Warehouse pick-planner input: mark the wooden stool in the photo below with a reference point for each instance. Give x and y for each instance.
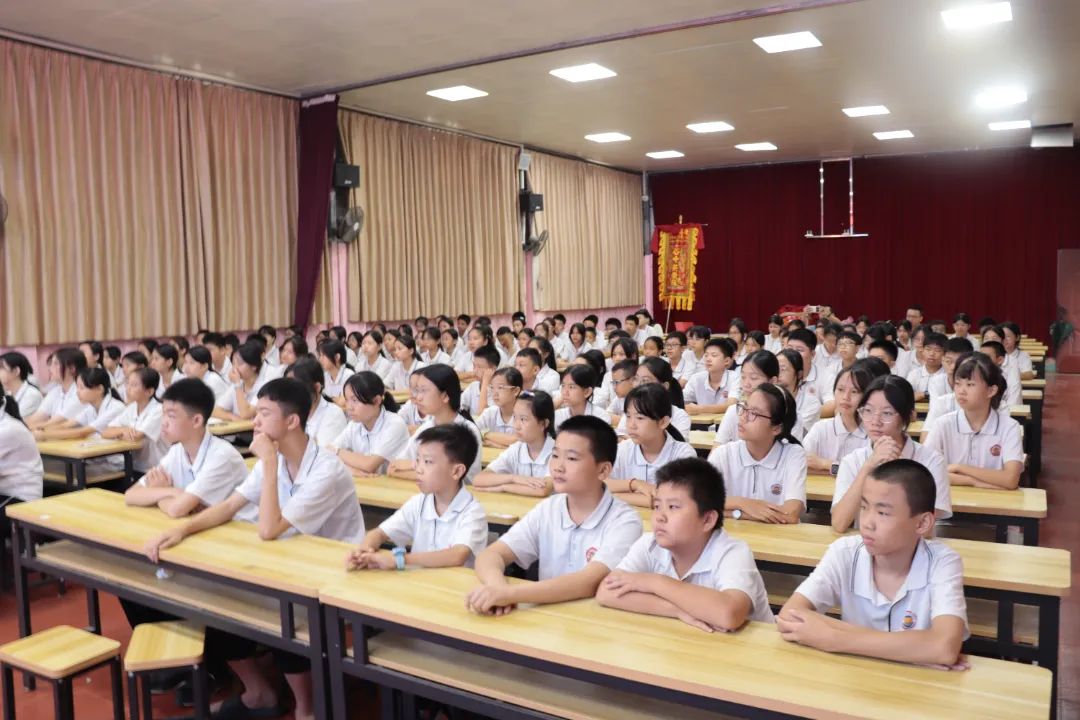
(58, 655)
(165, 646)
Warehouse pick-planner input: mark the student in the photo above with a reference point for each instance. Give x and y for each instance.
(15, 372)
(247, 378)
(1014, 393)
(938, 326)
(901, 597)
(406, 362)
(980, 446)
(409, 411)
(375, 434)
(886, 408)
(62, 402)
(622, 383)
(715, 389)
(333, 359)
(887, 352)
(611, 325)
(129, 363)
(1010, 338)
(918, 340)
(758, 368)
(496, 421)
(575, 343)
(696, 338)
(437, 393)
(219, 351)
(765, 469)
(140, 421)
(100, 405)
(462, 324)
(93, 351)
(682, 362)
(773, 342)
(111, 362)
(921, 378)
(443, 525)
(654, 442)
(199, 364)
(652, 347)
(848, 344)
(814, 383)
(578, 388)
(326, 421)
(792, 378)
(352, 345)
(903, 341)
(914, 315)
(477, 337)
(737, 334)
(829, 442)
(621, 349)
(390, 338)
(577, 535)
(826, 357)
(339, 334)
(657, 371)
(548, 376)
(21, 470)
(962, 329)
(369, 358)
(294, 488)
(755, 340)
(689, 568)
(528, 362)
(517, 322)
(522, 468)
(637, 334)
(294, 348)
(451, 346)
(941, 384)
(430, 352)
(593, 339)
(476, 398)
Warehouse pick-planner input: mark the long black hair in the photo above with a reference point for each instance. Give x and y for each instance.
(782, 410)
(445, 380)
(367, 386)
(661, 370)
(653, 402)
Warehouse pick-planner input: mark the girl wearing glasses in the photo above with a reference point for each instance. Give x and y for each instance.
(886, 408)
(765, 469)
(829, 441)
(760, 367)
(496, 422)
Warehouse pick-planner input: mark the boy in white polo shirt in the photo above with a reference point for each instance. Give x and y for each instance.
(923, 376)
(444, 526)
(688, 567)
(901, 597)
(578, 535)
(296, 487)
(716, 388)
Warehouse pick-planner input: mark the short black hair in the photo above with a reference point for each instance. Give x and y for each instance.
(937, 339)
(489, 354)
(998, 348)
(919, 486)
(135, 358)
(898, 393)
(291, 395)
(701, 479)
(213, 338)
(958, 345)
(193, 395)
(532, 354)
(889, 347)
(603, 442)
(457, 442)
(701, 332)
(804, 336)
(464, 317)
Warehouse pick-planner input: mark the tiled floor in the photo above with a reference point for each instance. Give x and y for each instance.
(1061, 478)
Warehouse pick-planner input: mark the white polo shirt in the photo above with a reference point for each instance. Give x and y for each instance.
(217, 470)
(700, 391)
(728, 431)
(825, 360)
(808, 405)
(163, 386)
(725, 564)
(516, 460)
(602, 395)
(334, 385)
(398, 379)
(920, 378)
(491, 420)
(830, 440)
(996, 443)
(680, 420)
(548, 534)
(563, 414)
(66, 404)
(905, 362)
(1020, 360)
(218, 385)
(387, 437)
(463, 362)
(439, 357)
(778, 477)
(28, 398)
(845, 578)
(549, 381)
(320, 500)
(411, 447)
(380, 367)
(630, 462)
(21, 470)
(99, 418)
(774, 344)
(1013, 387)
(410, 414)
(930, 459)
(416, 524)
(326, 422)
(228, 402)
(686, 367)
(148, 422)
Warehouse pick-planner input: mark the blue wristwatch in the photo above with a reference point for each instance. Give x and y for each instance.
(399, 557)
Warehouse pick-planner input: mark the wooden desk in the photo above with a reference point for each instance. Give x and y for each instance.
(1022, 508)
(221, 428)
(1034, 384)
(659, 658)
(704, 420)
(503, 509)
(401, 396)
(488, 455)
(75, 453)
(1017, 412)
(288, 572)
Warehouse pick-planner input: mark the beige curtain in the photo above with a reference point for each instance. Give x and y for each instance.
(441, 222)
(593, 257)
(95, 237)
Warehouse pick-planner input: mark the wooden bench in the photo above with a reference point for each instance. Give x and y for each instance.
(171, 645)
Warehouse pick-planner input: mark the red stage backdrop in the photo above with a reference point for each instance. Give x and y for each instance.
(974, 231)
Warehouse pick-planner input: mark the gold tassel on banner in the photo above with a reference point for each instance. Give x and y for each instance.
(676, 249)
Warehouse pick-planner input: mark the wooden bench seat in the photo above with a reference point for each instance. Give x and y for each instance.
(91, 478)
(164, 645)
(58, 652)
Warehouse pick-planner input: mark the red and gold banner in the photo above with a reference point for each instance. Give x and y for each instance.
(676, 248)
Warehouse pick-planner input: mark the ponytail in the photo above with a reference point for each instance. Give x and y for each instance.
(99, 377)
(782, 410)
(8, 405)
(366, 386)
(654, 402)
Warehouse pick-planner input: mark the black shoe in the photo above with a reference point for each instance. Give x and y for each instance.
(185, 693)
(162, 681)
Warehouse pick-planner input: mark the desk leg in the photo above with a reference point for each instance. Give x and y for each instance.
(69, 475)
(80, 474)
(335, 652)
(319, 674)
(387, 703)
(1030, 528)
(93, 611)
(129, 469)
(20, 540)
(1049, 629)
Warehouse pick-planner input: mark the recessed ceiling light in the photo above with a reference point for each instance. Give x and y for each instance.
(865, 110)
(456, 93)
(711, 127)
(756, 147)
(665, 154)
(607, 137)
(971, 16)
(894, 135)
(583, 73)
(790, 41)
(1011, 125)
(1003, 96)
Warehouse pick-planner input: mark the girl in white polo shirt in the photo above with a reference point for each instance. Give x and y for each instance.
(792, 377)
(376, 434)
(829, 441)
(140, 422)
(522, 468)
(765, 469)
(15, 372)
(406, 362)
(981, 446)
(886, 408)
(496, 422)
(247, 376)
(334, 359)
(578, 387)
(370, 356)
(21, 471)
(759, 367)
(199, 364)
(101, 404)
(62, 402)
(166, 360)
(326, 420)
(658, 371)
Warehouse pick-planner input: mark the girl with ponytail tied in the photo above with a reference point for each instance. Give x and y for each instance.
(21, 470)
(101, 405)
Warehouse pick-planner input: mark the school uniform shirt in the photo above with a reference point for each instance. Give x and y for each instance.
(162, 387)
(699, 389)
(807, 407)
(117, 377)
(225, 369)
(976, 343)
(148, 422)
(685, 368)
(456, 352)
(491, 420)
(728, 430)
(1014, 391)
(825, 360)
(351, 356)
(463, 362)
(410, 414)
(930, 459)
(997, 442)
(778, 477)
(655, 330)
(699, 363)
(548, 534)
(417, 525)
(680, 420)
(630, 462)
(439, 357)
(398, 379)
(387, 437)
(1020, 360)
(516, 460)
(559, 343)
(228, 402)
(320, 500)
(21, 469)
(774, 344)
(569, 352)
(640, 335)
(217, 470)
(334, 385)
(725, 564)
(470, 398)
(218, 385)
(411, 447)
(830, 440)
(273, 355)
(602, 395)
(28, 398)
(99, 418)
(563, 414)
(920, 378)
(845, 578)
(618, 406)
(64, 403)
(905, 362)
(380, 367)
(548, 380)
(326, 422)
(939, 385)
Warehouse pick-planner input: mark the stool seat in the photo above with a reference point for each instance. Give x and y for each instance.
(164, 645)
(58, 652)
